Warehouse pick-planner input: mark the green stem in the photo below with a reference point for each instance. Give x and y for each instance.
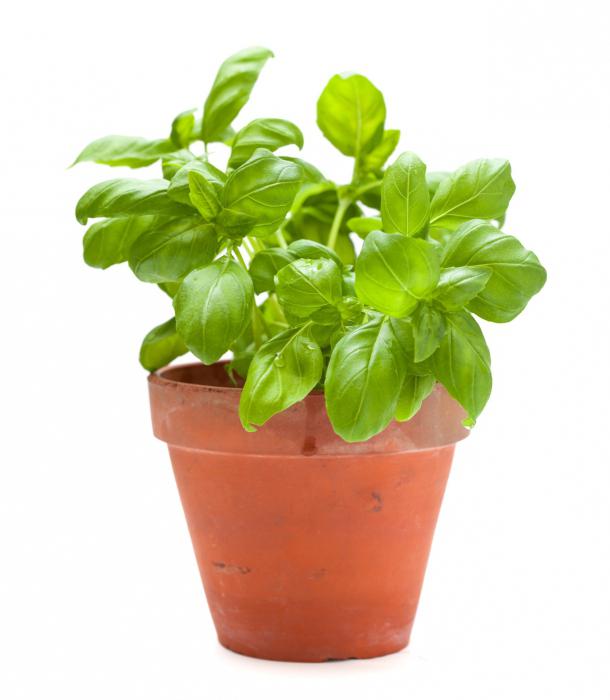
(239, 257)
(280, 238)
(343, 206)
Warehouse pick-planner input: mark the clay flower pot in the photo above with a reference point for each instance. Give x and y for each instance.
(309, 548)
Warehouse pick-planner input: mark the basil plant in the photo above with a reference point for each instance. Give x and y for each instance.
(259, 258)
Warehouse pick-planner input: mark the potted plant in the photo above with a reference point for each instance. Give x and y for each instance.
(312, 464)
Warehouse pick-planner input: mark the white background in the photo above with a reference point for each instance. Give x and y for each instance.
(99, 593)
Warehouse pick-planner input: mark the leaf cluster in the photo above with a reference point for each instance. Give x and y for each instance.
(259, 259)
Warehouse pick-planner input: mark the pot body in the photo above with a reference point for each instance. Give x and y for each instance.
(309, 548)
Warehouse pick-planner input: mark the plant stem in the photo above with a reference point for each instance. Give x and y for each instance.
(342, 207)
(239, 257)
(280, 238)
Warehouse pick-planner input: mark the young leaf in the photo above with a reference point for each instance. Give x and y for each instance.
(132, 151)
(393, 272)
(263, 189)
(127, 197)
(169, 252)
(376, 158)
(458, 285)
(231, 89)
(179, 187)
(434, 179)
(283, 371)
(363, 381)
(428, 331)
(414, 390)
(405, 202)
(204, 195)
(480, 189)
(161, 345)
(363, 225)
(108, 242)
(516, 273)
(182, 129)
(351, 114)
(264, 266)
(310, 173)
(306, 285)
(263, 133)
(171, 164)
(462, 363)
(213, 307)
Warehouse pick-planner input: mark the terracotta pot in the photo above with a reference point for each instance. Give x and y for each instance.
(309, 548)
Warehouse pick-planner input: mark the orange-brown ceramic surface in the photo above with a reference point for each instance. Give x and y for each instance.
(309, 548)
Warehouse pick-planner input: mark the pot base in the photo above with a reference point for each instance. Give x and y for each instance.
(314, 657)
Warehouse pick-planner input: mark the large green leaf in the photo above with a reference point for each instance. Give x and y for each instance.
(169, 252)
(363, 381)
(351, 114)
(213, 307)
(462, 363)
(393, 272)
(132, 151)
(304, 248)
(263, 133)
(262, 189)
(305, 285)
(231, 89)
(161, 345)
(480, 189)
(516, 273)
(127, 197)
(283, 371)
(264, 266)
(179, 187)
(405, 202)
(108, 242)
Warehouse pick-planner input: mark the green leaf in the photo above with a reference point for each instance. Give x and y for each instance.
(458, 285)
(264, 266)
(263, 188)
(169, 252)
(363, 381)
(231, 89)
(127, 197)
(306, 285)
(161, 346)
(283, 371)
(428, 331)
(363, 225)
(182, 129)
(405, 202)
(204, 195)
(351, 114)
(376, 159)
(516, 273)
(108, 242)
(179, 187)
(132, 151)
(414, 390)
(393, 272)
(213, 307)
(170, 288)
(304, 248)
(480, 189)
(263, 133)
(462, 363)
